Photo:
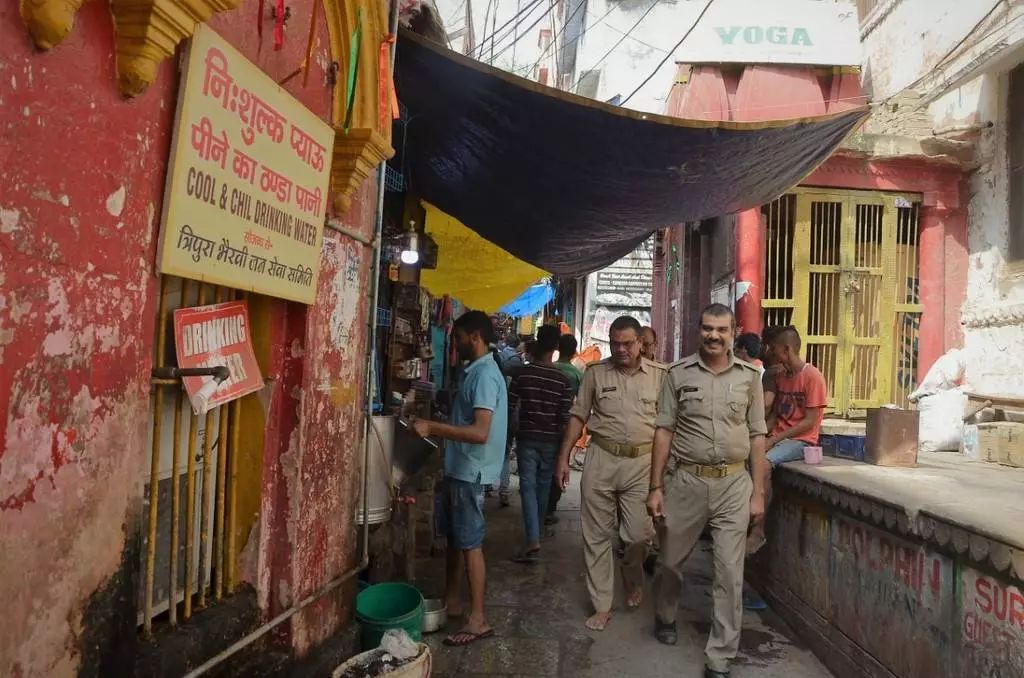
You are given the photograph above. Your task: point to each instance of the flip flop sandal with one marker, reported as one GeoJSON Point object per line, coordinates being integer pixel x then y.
{"type": "Point", "coordinates": [468, 638]}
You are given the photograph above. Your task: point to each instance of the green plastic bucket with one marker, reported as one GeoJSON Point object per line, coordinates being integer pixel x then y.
{"type": "Point", "coordinates": [392, 605]}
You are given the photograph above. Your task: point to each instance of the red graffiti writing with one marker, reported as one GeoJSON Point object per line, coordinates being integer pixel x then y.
{"type": "Point", "coordinates": [1002, 603]}
{"type": "Point", "coordinates": [910, 567]}
{"type": "Point", "coordinates": [978, 629]}
{"type": "Point", "coordinates": [998, 641]}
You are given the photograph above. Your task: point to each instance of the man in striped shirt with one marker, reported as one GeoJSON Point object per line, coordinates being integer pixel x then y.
{"type": "Point", "coordinates": [544, 395]}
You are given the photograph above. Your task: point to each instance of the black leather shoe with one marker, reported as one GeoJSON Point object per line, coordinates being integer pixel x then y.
{"type": "Point", "coordinates": [708, 673]}
{"type": "Point", "coordinates": [665, 633]}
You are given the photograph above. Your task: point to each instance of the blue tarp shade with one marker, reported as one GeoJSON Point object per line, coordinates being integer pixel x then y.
{"type": "Point", "coordinates": [570, 184]}
{"type": "Point", "coordinates": [530, 302]}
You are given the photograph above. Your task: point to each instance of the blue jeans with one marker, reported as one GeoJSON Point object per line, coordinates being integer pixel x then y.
{"type": "Point", "coordinates": [787, 450]}
{"type": "Point", "coordinates": [462, 508]}
{"type": "Point", "coordinates": [506, 473]}
{"type": "Point", "coordinates": [536, 470]}
{"type": "Point", "coordinates": [503, 488]}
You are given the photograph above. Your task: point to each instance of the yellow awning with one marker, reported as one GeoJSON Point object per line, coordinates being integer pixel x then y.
{"type": "Point", "coordinates": [471, 269]}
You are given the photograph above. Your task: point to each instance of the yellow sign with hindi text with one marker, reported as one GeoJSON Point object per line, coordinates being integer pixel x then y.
{"type": "Point", "coordinates": [247, 185]}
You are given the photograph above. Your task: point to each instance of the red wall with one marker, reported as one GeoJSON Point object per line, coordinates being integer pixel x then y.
{"type": "Point", "coordinates": [81, 180]}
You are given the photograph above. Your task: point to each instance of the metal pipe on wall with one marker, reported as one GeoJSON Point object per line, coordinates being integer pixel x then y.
{"type": "Point", "coordinates": [221, 491]}
{"type": "Point", "coordinates": [206, 499]}
{"type": "Point", "coordinates": [371, 357]}
{"type": "Point", "coordinates": [190, 484]}
{"type": "Point", "coordinates": [154, 474]}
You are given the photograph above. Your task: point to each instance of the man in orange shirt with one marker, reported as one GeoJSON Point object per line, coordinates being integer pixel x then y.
{"type": "Point", "coordinates": [798, 408]}
{"type": "Point", "coordinates": [801, 396]}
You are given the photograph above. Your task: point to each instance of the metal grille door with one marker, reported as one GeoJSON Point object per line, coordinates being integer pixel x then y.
{"type": "Point", "coordinates": [853, 295]}
{"type": "Point", "coordinates": [819, 304]}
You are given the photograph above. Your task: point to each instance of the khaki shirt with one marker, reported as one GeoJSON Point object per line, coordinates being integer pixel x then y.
{"type": "Point", "coordinates": [712, 415]}
{"type": "Point", "coordinates": [619, 407]}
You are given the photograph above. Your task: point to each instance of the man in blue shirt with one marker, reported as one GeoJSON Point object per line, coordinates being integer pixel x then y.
{"type": "Point", "coordinates": [472, 460]}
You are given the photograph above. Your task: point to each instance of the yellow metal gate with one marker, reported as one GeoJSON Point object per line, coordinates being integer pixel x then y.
{"type": "Point", "coordinates": [199, 497]}
{"type": "Point", "coordinates": [842, 267]}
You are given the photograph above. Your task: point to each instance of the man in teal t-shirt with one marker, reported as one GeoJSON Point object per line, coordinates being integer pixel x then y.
{"type": "Point", "coordinates": [472, 460]}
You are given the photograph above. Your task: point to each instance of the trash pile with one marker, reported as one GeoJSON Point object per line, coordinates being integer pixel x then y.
{"type": "Point", "coordinates": [398, 656]}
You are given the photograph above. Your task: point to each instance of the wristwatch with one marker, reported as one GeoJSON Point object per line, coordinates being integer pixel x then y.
{"type": "Point", "coordinates": [652, 488]}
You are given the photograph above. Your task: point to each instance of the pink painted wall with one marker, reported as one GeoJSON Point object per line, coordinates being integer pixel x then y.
{"type": "Point", "coordinates": [82, 176]}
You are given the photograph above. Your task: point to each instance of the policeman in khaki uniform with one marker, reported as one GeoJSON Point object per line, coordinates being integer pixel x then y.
{"type": "Point", "coordinates": [617, 401]}
{"type": "Point", "coordinates": [710, 422]}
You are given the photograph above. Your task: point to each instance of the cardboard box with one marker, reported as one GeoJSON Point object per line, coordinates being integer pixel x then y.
{"type": "Point", "coordinates": [892, 437]}
{"type": "Point", "coordinates": [1002, 442]}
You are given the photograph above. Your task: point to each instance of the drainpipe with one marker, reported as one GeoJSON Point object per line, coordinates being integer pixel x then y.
{"type": "Point", "coordinates": [371, 359]}
{"type": "Point", "coordinates": [749, 282]}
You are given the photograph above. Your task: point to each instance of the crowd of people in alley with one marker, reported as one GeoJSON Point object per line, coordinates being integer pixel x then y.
{"type": "Point", "coordinates": [672, 452]}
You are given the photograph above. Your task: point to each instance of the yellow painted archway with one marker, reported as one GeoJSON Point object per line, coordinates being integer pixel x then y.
{"type": "Point", "coordinates": [367, 143]}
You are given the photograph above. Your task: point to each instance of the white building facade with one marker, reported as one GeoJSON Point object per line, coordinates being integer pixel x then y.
{"type": "Point", "coordinates": [954, 71]}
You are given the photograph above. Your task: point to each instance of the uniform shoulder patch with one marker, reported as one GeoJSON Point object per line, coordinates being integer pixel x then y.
{"type": "Point", "coordinates": [685, 362]}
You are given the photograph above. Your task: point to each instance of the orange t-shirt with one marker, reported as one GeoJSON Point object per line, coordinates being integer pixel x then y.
{"type": "Point", "coordinates": [794, 395]}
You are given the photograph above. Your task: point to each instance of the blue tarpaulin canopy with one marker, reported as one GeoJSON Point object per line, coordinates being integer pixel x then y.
{"type": "Point", "coordinates": [530, 302]}
{"type": "Point", "coordinates": [570, 184]}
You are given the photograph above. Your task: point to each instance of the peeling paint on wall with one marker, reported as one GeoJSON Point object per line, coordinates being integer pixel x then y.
{"type": "Point", "coordinates": [9, 220]}
{"type": "Point", "coordinates": [77, 304]}
{"type": "Point", "coordinates": [75, 345]}
{"type": "Point", "coordinates": [115, 202]}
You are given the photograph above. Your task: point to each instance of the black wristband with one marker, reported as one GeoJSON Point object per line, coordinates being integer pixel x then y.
{"type": "Point", "coordinates": [652, 488]}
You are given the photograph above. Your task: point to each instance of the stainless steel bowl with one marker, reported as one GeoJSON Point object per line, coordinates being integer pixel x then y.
{"type": "Point", "coordinates": [435, 615]}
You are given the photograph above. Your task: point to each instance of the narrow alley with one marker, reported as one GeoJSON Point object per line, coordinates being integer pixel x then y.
{"type": "Point", "coordinates": [538, 612]}
{"type": "Point", "coordinates": [284, 283]}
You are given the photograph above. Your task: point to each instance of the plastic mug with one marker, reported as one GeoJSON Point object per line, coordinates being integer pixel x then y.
{"type": "Point", "coordinates": [812, 455]}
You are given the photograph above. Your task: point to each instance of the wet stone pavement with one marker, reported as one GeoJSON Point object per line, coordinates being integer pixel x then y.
{"type": "Point", "coordinates": [538, 612]}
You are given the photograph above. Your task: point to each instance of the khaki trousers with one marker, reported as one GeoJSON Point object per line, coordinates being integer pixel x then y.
{"type": "Point", "coordinates": [614, 500]}
{"type": "Point", "coordinates": [690, 504]}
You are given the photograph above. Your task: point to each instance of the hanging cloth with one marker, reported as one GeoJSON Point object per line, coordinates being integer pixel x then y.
{"type": "Point", "coordinates": [353, 69]}
{"type": "Point", "coordinates": [530, 302]}
{"type": "Point", "coordinates": [475, 271]}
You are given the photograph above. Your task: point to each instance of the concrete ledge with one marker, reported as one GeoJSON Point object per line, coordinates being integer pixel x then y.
{"type": "Point", "coordinates": [900, 573]}
{"type": "Point", "coordinates": [951, 502]}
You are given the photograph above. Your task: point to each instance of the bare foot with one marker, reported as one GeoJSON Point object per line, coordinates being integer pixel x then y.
{"type": "Point", "coordinates": [634, 596]}
{"type": "Point", "coordinates": [633, 581]}
{"type": "Point", "coordinates": [599, 621]}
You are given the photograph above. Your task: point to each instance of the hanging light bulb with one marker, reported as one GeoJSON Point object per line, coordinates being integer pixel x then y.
{"type": "Point", "coordinates": [411, 252]}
